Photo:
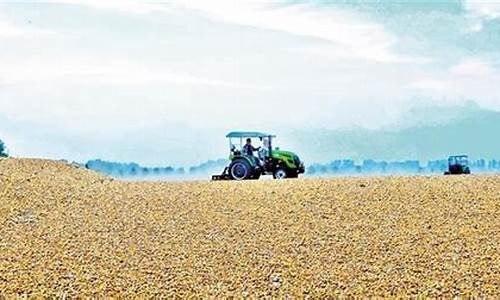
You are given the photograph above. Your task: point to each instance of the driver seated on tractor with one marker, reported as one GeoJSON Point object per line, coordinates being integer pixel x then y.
{"type": "Point", "coordinates": [249, 149]}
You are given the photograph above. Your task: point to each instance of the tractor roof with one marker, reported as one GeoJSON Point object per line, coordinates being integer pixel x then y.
{"type": "Point", "coordinates": [248, 134]}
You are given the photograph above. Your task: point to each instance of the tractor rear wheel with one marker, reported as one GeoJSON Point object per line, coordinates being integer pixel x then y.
{"type": "Point", "coordinates": [240, 169]}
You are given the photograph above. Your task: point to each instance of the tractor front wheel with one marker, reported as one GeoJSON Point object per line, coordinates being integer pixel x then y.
{"type": "Point", "coordinates": [239, 169]}
{"type": "Point", "coordinates": [280, 173]}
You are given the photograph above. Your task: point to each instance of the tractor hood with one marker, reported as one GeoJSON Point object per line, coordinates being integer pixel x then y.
{"type": "Point", "coordinates": [290, 158]}
{"type": "Point", "coordinates": [283, 153]}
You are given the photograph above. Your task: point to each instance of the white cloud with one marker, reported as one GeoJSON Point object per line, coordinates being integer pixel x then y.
{"type": "Point", "coordinates": [7, 30]}
{"type": "Point", "coordinates": [129, 6]}
{"type": "Point", "coordinates": [431, 84]}
{"type": "Point", "coordinates": [480, 11]}
{"type": "Point", "coordinates": [351, 35]}
{"type": "Point", "coordinates": [116, 72]}
{"type": "Point", "coordinates": [471, 78]}
{"type": "Point", "coordinates": [476, 27]}
{"type": "Point", "coordinates": [472, 67]}
{"type": "Point", "coordinates": [486, 9]}
{"type": "Point", "coordinates": [12, 31]}
{"type": "Point", "coordinates": [335, 53]}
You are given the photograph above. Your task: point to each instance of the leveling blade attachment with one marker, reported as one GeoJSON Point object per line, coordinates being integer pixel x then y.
{"type": "Point", "coordinates": [220, 177]}
{"type": "Point", "coordinates": [223, 176]}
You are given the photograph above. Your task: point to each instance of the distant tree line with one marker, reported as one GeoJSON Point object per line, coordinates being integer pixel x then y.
{"type": "Point", "coordinates": [3, 149]}
{"type": "Point", "coordinates": [370, 166]}
{"type": "Point", "coordinates": [336, 167]}
{"type": "Point", "coordinates": [116, 169]}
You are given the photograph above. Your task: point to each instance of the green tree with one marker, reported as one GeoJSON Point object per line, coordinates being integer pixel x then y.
{"type": "Point", "coordinates": [3, 150]}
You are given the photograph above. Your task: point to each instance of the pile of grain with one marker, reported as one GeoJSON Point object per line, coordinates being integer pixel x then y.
{"type": "Point", "coordinates": [68, 231]}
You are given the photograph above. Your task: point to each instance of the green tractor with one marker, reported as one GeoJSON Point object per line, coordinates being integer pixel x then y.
{"type": "Point", "coordinates": [269, 161]}
{"type": "Point", "coordinates": [458, 164]}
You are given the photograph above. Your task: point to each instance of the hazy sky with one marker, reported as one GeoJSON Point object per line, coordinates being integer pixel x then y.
{"type": "Point", "coordinates": [161, 82]}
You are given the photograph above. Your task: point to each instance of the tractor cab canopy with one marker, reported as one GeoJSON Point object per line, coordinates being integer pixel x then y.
{"type": "Point", "coordinates": [249, 134]}
{"type": "Point", "coordinates": [238, 138]}
{"type": "Point", "coordinates": [462, 160]}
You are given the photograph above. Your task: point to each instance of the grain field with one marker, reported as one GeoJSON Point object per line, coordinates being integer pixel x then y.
{"type": "Point", "coordinates": [66, 231]}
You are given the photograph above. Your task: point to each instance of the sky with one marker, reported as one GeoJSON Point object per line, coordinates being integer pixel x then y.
{"type": "Point", "coordinates": [162, 82]}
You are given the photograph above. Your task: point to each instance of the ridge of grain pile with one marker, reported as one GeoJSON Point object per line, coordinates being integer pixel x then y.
{"type": "Point", "coordinates": [67, 231]}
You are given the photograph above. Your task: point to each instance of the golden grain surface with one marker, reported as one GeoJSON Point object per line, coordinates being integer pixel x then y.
{"type": "Point", "coordinates": [69, 231]}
